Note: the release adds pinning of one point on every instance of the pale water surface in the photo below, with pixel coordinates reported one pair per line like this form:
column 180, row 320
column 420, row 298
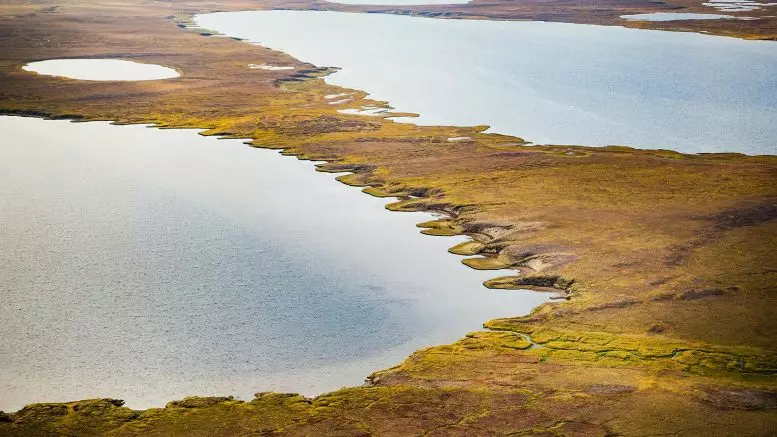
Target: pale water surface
column 738, row 6
column 547, row 82
column 148, row 265
column 675, row 16
column 101, row 69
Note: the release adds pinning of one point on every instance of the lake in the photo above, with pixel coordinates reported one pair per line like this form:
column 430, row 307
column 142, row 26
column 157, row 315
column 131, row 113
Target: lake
column 148, row 265
column 547, row 82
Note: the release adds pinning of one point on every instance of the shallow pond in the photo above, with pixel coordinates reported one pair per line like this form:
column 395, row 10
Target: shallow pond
column 148, row 265
column 101, row 69
column 675, row 16
column 547, row 82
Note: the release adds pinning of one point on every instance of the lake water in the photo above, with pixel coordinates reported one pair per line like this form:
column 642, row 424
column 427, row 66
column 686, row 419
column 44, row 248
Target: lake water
column 101, row 69
column 148, row 265
column 547, row 82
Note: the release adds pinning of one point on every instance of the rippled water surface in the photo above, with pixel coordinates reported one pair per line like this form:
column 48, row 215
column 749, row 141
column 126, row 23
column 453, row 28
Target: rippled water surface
column 148, row 264
column 547, row 82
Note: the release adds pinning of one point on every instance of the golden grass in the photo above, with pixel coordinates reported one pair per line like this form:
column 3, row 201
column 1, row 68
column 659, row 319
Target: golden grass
column 669, row 261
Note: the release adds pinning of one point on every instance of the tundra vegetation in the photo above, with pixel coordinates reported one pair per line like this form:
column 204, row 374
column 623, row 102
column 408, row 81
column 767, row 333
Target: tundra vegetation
column 667, row 262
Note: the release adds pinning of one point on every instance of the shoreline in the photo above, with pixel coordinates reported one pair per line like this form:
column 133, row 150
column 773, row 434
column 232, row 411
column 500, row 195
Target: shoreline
column 332, row 167
column 656, row 291
column 199, row 23
column 350, row 176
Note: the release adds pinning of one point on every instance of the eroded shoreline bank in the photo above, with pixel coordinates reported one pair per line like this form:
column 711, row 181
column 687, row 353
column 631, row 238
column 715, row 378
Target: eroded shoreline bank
column 672, row 255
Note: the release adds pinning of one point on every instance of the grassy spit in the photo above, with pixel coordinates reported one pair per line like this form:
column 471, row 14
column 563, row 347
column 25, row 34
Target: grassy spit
column 668, row 261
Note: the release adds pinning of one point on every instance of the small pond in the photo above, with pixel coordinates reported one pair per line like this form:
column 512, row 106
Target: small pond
column 675, row 16
column 101, row 69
